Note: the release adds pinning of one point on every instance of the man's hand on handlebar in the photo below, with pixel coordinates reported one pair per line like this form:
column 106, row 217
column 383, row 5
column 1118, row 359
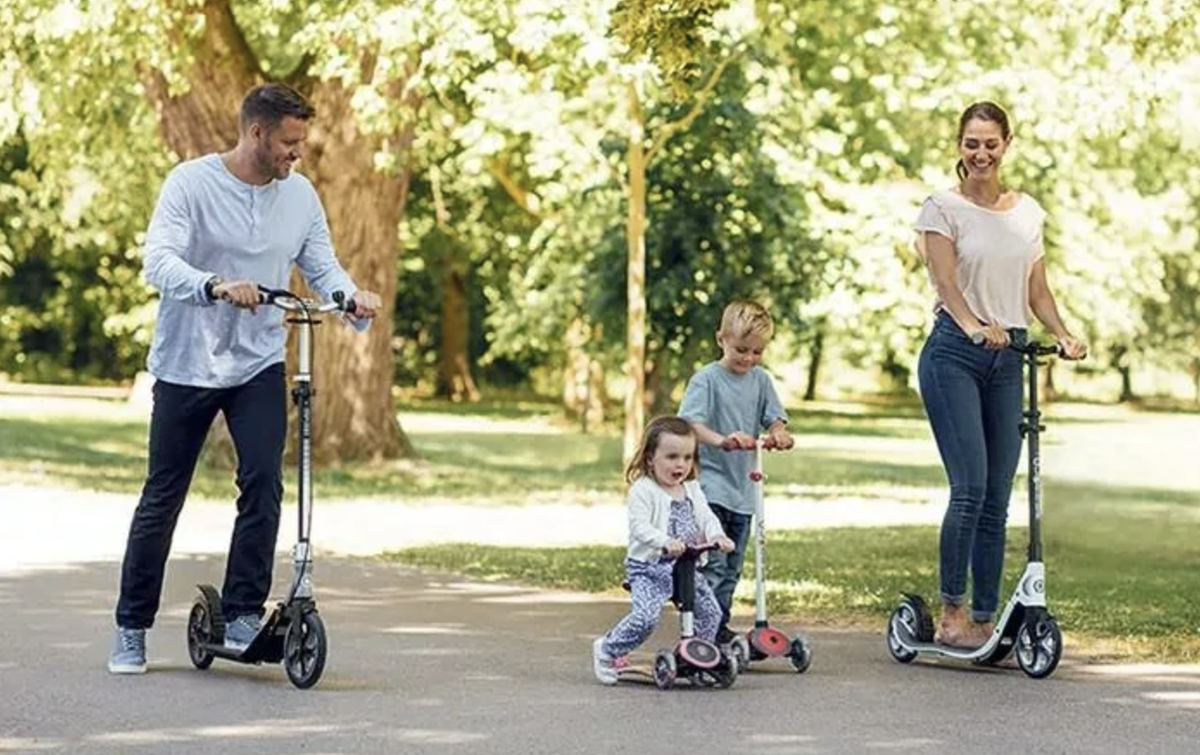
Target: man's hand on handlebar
column 366, row 306
column 241, row 294
column 724, row 544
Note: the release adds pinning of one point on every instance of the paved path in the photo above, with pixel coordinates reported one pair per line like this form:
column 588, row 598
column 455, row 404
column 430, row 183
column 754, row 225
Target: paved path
column 428, row 664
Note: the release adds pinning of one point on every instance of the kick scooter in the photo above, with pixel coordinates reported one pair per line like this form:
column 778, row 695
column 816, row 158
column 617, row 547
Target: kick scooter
column 699, row 661
column 1026, row 625
column 294, row 632
column 763, row 641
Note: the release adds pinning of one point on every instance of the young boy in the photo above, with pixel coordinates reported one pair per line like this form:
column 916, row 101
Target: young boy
column 729, row 403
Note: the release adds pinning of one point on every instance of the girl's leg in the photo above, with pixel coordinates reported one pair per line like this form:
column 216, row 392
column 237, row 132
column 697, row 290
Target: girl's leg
column 1001, row 425
column 650, row 587
column 950, row 369
column 707, row 610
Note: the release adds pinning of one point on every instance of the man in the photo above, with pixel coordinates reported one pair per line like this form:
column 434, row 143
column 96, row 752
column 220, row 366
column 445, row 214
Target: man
column 225, row 223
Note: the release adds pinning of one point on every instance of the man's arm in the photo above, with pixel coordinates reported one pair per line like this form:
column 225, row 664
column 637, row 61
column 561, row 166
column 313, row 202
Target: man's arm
column 167, row 238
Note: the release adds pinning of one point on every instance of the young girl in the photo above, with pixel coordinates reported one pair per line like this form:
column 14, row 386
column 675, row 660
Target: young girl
column 667, row 512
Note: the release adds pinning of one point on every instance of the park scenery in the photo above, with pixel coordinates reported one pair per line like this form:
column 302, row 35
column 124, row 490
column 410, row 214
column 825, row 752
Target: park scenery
column 556, row 200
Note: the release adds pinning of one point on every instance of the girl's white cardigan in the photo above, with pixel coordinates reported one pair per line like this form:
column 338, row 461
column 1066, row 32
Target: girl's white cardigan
column 650, row 513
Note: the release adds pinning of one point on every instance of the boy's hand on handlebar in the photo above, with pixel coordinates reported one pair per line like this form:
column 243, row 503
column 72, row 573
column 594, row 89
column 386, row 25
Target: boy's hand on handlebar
column 366, row 306
column 1072, row 348
column 241, row 294
column 737, row 441
column 724, row 544
column 779, row 439
column 674, row 547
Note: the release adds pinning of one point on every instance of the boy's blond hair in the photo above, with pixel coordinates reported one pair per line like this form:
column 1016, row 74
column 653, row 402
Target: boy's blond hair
column 743, row 318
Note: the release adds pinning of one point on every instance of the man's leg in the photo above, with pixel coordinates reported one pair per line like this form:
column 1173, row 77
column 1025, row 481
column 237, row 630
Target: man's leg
column 257, row 416
column 179, row 423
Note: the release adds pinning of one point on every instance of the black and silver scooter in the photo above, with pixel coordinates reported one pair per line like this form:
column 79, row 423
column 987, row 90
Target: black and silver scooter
column 294, row 632
column 1026, row 626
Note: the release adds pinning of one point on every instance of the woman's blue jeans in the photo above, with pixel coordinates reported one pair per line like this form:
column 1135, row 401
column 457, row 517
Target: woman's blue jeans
column 973, row 398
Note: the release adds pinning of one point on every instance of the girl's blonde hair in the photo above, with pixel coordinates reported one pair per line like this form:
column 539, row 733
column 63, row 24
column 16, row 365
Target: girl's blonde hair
column 642, row 462
column 743, row 318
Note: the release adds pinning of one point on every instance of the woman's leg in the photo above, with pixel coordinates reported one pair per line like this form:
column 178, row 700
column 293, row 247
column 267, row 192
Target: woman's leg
column 1002, row 430
column 949, row 373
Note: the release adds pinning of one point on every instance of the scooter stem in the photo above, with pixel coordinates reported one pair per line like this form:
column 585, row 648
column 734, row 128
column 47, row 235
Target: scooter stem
column 760, row 539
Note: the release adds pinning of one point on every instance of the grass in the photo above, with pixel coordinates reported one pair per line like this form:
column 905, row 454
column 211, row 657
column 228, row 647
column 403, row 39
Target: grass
column 1122, row 503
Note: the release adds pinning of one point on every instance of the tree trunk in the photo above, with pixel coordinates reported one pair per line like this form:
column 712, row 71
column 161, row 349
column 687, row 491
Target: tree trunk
column 583, row 378
column 357, row 418
column 635, row 232
column 816, row 354
column 354, row 415
column 455, row 381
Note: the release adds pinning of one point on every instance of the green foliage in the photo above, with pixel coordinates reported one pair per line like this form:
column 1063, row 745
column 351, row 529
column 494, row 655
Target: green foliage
column 671, row 34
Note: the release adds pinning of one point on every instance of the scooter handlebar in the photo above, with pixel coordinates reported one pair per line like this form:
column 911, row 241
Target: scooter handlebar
column 1032, row 348
column 290, row 302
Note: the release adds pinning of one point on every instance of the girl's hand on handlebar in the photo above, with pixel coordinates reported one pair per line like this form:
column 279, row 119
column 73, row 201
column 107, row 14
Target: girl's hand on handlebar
column 736, row 441
column 1072, row 348
column 366, row 306
column 241, row 294
column 674, row 547
column 994, row 337
column 724, row 544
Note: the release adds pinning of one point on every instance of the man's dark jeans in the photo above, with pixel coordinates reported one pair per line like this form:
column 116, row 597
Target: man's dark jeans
column 256, row 414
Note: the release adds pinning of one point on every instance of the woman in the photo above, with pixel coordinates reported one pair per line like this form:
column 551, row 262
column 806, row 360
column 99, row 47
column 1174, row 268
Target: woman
column 982, row 244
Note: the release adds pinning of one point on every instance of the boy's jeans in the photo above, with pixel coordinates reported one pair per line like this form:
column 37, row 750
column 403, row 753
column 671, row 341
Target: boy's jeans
column 723, row 570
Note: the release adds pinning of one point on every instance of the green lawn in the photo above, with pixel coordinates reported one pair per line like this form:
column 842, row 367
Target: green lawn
column 1122, row 503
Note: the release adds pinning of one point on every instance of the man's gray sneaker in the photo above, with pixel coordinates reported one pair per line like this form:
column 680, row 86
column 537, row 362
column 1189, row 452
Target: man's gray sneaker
column 129, row 652
column 240, row 632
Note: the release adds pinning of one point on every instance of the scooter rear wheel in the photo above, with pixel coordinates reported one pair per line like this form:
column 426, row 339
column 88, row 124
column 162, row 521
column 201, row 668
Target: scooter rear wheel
column 1039, row 647
column 905, row 621
column 665, row 670
column 305, row 647
column 199, row 633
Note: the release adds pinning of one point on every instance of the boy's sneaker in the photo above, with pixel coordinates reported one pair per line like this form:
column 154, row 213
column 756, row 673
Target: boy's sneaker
column 602, row 665
column 240, row 632
column 129, row 652
column 725, row 635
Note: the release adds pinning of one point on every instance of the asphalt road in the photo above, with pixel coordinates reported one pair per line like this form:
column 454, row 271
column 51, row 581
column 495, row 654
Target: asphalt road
column 427, row 663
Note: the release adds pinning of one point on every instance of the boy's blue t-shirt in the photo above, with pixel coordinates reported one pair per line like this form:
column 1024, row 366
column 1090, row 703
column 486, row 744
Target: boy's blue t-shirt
column 724, row 403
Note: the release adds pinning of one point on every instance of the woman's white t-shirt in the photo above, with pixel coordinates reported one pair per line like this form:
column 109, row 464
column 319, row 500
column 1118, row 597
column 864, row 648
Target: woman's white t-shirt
column 995, row 251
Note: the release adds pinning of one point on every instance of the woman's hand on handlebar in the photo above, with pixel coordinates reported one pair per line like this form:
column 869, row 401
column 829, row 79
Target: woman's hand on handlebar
column 991, row 337
column 1071, row 347
column 241, row 294
column 366, row 306
column 779, row 439
column 724, row 544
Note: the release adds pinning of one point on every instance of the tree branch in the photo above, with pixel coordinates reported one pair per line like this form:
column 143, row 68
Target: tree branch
column 674, row 127
column 518, row 193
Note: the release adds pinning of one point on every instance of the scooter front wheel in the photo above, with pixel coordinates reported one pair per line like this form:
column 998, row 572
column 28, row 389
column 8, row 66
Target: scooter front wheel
column 305, row 647
column 1039, row 646
column 800, row 654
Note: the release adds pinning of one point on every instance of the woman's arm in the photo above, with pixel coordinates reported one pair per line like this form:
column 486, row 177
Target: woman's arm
column 1041, row 301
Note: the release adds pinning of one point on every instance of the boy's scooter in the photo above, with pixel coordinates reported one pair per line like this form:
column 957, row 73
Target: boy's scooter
column 1026, row 625
column 294, row 632
column 699, row 661
column 763, row 641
